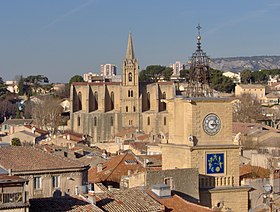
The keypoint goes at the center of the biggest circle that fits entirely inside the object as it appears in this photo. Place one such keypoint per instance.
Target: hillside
(237, 64)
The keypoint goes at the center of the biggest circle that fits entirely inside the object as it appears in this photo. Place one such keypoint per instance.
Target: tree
(154, 73)
(7, 107)
(185, 74)
(47, 113)
(247, 109)
(3, 88)
(16, 142)
(221, 83)
(246, 76)
(76, 78)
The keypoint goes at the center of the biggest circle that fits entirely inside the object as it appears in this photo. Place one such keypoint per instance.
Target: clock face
(211, 124)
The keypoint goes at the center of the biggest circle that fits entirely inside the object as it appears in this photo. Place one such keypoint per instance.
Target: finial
(198, 28)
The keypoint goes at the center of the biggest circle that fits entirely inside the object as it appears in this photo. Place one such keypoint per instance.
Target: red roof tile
(248, 171)
(176, 203)
(115, 168)
(25, 158)
(125, 131)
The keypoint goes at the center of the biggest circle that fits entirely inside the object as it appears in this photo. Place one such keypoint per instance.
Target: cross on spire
(198, 28)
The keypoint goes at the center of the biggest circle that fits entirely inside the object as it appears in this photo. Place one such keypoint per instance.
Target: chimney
(10, 172)
(128, 172)
(33, 129)
(99, 167)
(161, 190)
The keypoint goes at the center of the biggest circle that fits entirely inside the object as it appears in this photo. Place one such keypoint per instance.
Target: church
(101, 109)
(199, 126)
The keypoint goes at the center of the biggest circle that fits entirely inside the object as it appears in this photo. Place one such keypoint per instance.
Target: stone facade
(103, 109)
(200, 136)
(68, 182)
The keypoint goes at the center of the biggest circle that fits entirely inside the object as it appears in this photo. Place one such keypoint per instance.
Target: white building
(108, 70)
(235, 76)
(177, 67)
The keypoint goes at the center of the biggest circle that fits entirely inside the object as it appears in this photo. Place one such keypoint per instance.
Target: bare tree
(247, 109)
(46, 113)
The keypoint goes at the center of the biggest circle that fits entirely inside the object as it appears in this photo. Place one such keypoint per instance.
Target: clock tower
(200, 136)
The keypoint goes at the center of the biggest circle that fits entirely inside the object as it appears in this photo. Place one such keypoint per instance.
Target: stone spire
(129, 50)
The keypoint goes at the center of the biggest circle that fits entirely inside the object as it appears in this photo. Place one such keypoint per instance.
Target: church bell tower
(130, 88)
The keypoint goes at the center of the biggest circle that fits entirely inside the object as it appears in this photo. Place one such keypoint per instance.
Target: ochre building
(102, 109)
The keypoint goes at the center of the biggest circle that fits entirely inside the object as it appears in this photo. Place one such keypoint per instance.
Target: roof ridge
(116, 166)
(60, 157)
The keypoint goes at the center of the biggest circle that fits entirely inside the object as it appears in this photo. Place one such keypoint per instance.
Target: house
(111, 172)
(271, 99)
(235, 76)
(256, 90)
(49, 175)
(9, 126)
(13, 194)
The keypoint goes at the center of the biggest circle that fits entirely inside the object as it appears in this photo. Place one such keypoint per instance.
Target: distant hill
(236, 64)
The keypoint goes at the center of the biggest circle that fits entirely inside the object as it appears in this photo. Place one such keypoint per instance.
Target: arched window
(148, 121)
(95, 121)
(134, 109)
(79, 121)
(96, 100)
(112, 121)
(163, 95)
(163, 103)
(164, 121)
(112, 100)
(128, 93)
(148, 101)
(130, 77)
(80, 100)
(126, 109)
(131, 93)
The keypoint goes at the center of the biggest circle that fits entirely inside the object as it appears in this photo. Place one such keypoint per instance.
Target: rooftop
(133, 199)
(65, 203)
(251, 86)
(176, 203)
(26, 159)
(115, 168)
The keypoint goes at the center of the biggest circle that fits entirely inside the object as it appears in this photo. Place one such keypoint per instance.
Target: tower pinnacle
(129, 50)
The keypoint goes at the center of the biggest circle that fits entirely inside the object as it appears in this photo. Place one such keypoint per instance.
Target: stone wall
(183, 181)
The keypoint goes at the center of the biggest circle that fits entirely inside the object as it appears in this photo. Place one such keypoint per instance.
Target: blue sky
(61, 38)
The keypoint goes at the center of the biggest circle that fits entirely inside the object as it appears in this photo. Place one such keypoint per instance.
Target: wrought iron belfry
(199, 82)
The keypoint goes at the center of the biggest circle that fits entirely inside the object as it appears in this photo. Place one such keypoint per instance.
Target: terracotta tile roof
(125, 131)
(11, 179)
(275, 84)
(133, 199)
(143, 137)
(115, 168)
(273, 95)
(140, 146)
(65, 203)
(252, 86)
(244, 127)
(95, 83)
(176, 203)
(37, 130)
(25, 158)
(248, 171)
